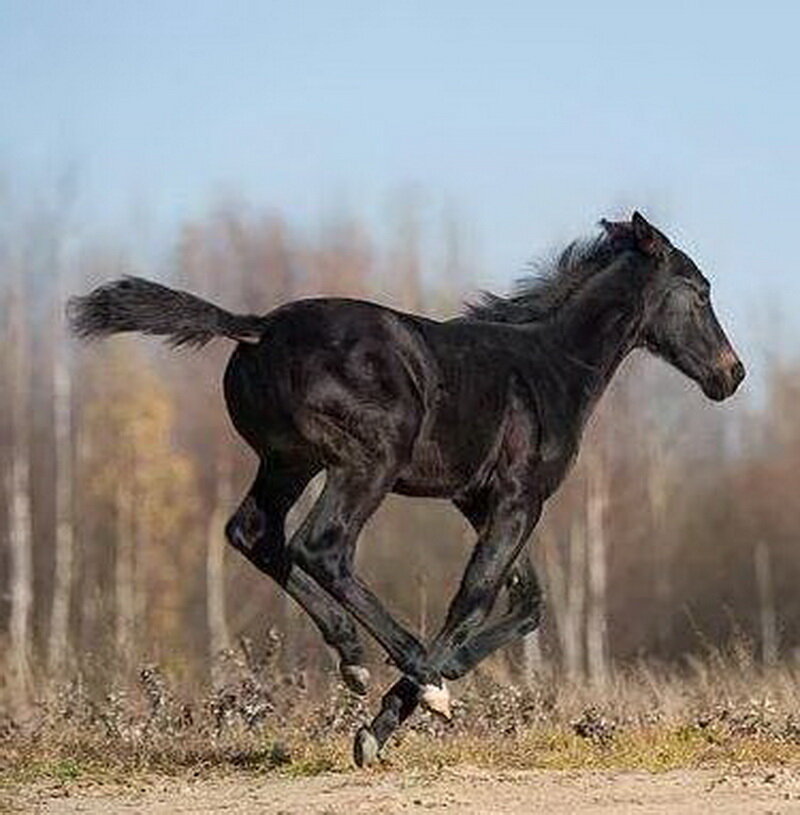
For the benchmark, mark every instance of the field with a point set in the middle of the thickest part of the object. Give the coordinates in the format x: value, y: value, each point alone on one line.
x: 721, y: 735
x: 469, y: 790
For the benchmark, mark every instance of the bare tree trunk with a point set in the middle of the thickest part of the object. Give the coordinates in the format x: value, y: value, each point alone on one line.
x: 532, y: 660
x: 422, y: 593
x: 576, y: 599
x: 555, y: 583
x: 140, y: 555
x: 566, y: 589
x: 19, y: 502
x: 407, y: 261
x: 766, y: 604
x: 657, y: 491
x: 89, y: 583
x: 62, y: 583
x: 219, y: 636
x: 124, y: 589
x: 596, y: 620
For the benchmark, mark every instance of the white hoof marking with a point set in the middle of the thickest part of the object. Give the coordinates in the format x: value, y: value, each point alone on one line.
x: 436, y: 699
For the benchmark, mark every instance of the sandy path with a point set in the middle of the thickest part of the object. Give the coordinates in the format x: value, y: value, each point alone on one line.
x: 461, y: 791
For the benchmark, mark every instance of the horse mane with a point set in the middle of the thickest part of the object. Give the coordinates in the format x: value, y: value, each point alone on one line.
x: 538, y: 296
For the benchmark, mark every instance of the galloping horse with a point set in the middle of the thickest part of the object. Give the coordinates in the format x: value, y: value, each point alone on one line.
x: 487, y: 410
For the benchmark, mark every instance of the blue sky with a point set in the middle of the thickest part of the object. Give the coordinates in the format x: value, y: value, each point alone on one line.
x: 532, y: 120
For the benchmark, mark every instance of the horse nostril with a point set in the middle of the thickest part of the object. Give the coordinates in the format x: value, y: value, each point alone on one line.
x: 737, y: 372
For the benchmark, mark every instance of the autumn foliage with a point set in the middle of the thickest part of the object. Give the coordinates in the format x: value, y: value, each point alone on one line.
x: 677, y: 531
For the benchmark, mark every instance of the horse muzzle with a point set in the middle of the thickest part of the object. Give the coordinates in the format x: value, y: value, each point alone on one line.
x: 726, y: 377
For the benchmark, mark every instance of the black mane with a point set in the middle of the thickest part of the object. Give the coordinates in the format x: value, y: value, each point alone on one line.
x: 536, y: 297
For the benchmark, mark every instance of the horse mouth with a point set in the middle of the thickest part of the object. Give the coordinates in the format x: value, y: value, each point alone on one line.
x: 721, y: 385
x: 715, y: 389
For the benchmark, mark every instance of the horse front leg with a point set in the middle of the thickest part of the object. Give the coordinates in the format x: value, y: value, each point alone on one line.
x: 460, y: 644
x: 522, y: 616
x: 491, y: 563
x: 503, y: 512
x: 324, y: 546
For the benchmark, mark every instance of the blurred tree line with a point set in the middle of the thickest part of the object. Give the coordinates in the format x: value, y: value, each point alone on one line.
x: 118, y: 468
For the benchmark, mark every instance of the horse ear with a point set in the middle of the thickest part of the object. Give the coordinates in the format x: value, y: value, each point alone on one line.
x: 616, y: 229
x: 648, y: 238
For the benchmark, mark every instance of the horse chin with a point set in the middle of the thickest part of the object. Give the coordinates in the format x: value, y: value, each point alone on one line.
x: 716, y: 389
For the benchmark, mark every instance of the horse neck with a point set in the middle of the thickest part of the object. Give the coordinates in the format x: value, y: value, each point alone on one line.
x: 595, y: 329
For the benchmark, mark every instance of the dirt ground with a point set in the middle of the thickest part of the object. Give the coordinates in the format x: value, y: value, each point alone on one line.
x: 460, y: 791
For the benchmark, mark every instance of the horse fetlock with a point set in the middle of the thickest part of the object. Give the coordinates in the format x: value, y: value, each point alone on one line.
x: 344, y: 640
x: 454, y: 668
x: 355, y: 677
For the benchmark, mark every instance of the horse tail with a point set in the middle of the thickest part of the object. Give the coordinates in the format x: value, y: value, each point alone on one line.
x: 135, y: 304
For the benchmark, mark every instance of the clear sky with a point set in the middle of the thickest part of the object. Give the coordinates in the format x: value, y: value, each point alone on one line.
x: 532, y: 119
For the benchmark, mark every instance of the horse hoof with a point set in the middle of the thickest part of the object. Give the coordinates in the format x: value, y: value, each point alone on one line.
x: 436, y: 699
x: 365, y: 748
x: 356, y: 677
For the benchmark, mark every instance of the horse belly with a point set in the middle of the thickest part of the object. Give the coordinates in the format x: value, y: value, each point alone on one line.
x: 428, y: 473
x: 446, y: 461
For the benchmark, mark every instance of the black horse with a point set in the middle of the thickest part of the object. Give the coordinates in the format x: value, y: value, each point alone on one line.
x: 487, y: 410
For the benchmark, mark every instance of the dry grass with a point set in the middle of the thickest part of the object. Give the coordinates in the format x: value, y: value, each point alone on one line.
x: 721, y: 712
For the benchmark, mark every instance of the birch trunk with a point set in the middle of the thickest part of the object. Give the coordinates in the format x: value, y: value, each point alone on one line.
x: 555, y: 588
x: 19, y: 504
x: 657, y: 490
x: 407, y: 252
x: 422, y: 594
x: 532, y: 660
x: 124, y: 590
x: 596, y: 620
x: 219, y: 636
x: 62, y: 582
x: 576, y: 598
x: 766, y: 604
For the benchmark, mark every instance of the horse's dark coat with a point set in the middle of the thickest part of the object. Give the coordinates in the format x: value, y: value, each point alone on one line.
x: 487, y: 410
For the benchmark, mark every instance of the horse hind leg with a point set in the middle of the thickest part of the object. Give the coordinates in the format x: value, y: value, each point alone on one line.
x: 257, y: 531
x: 324, y: 546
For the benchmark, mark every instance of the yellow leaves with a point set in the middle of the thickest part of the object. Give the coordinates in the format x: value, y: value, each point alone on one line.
x: 141, y: 489
x: 127, y: 427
